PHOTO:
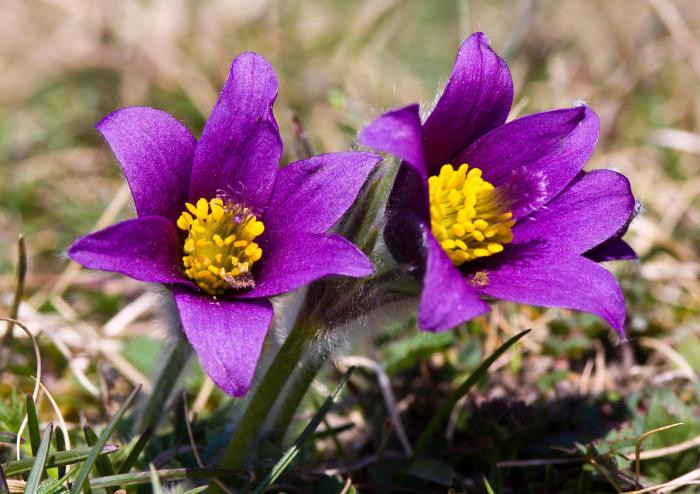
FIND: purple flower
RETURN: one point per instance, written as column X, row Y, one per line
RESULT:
column 220, row 223
column 501, row 210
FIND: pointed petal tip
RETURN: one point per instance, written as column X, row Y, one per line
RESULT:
column 255, row 61
column 480, row 37
column 399, row 132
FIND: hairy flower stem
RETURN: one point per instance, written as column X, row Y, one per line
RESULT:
column 175, row 359
column 297, row 387
column 266, row 394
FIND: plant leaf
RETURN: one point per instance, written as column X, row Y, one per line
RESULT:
column 102, row 463
column 33, row 425
column 16, row 467
column 292, row 452
column 167, row 475
column 60, row 446
column 37, row 471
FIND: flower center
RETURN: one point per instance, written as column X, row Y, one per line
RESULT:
column 219, row 248
column 468, row 216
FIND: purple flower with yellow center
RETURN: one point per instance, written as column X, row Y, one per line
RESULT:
column 220, row 223
column 501, row 210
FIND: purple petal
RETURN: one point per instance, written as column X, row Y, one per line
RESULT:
column 398, row 132
column 227, row 335
column 240, row 148
column 155, row 151
column 311, row 195
column 477, row 99
column 534, row 157
column 447, row 299
column 614, row 249
column 301, row 258
column 592, row 210
column 532, row 275
column 146, row 249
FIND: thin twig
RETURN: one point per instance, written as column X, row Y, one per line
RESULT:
column 638, row 447
column 667, row 451
column 387, row 394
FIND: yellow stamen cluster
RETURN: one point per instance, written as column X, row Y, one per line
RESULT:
column 219, row 248
column 467, row 216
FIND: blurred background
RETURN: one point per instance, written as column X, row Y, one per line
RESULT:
column 67, row 63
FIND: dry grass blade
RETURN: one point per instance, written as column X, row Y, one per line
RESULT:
column 681, row 34
column 671, row 354
column 638, row 447
column 689, row 478
column 387, row 394
column 35, row 392
column 19, row 293
column 667, row 451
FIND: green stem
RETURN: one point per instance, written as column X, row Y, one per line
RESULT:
column 152, row 410
column 296, row 390
column 266, row 394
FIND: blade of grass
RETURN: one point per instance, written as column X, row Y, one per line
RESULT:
column 156, row 486
column 33, row 425
column 489, row 489
column 135, row 478
column 101, row 441
column 446, row 408
column 136, row 451
column 292, row 452
column 197, row 490
column 37, row 471
column 70, row 457
column 60, row 446
column 102, row 463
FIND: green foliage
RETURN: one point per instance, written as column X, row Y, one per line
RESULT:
column 100, row 443
column 404, row 353
column 38, row 469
